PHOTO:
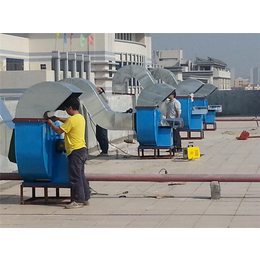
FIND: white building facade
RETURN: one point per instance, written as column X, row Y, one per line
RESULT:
column 30, row 56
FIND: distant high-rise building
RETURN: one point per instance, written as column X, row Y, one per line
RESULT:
column 233, row 77
column 255, row 75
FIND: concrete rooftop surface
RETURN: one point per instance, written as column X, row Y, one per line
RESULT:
column 152, row 204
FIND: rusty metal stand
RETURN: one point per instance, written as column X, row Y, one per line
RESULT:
column 156, row 152
column 46, row 199
column 206, row 128
column 189, row 136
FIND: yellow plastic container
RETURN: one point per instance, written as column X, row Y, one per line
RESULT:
column 193, row 152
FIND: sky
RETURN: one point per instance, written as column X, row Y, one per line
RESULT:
column 238, row 50
column 224, row 31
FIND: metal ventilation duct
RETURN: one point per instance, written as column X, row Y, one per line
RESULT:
column 154, row 95
column 99, row 110
column 166, row 75
column 44, row 96
column 131, row 71
column 206, row 90
column 188, row 87
column 5, row 116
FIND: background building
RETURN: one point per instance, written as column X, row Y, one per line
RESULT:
column 31, row 56
column 209, row 70
column 255, row 76
column 241, row 83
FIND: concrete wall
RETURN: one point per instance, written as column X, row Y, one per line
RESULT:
column 237, row 102
column 5, row 138
column 24, row 79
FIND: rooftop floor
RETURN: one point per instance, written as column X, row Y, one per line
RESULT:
column 156, row 205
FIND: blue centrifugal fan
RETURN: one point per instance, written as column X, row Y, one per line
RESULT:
column 192, row 95
column 39, row 151
column 152, row 130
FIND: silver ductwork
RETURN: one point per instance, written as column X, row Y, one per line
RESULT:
column 99, row 110
column 206, row 90
column 154, row 95
column 166, row 75
column 188, row 87
column 34, row 102
column 131, row 71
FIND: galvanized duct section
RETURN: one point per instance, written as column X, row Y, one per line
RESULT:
column 205, row 90
column 44, row 96
column 166, row 75
column 188, row 86
column 131, row 71
column 154, row 95
column 99, row 110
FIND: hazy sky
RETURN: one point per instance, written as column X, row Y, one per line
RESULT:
column 238, row 50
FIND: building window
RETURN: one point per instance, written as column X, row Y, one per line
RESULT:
column 43, row 66
column 123, row 36
column 14, row 64
column 110, row 67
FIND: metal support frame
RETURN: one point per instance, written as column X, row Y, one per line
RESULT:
column 46, row 198
column 189, row 134
column 156, row 152
column 206, row 126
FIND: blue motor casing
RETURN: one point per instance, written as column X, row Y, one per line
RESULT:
column 193, row 112
column 210, row 117
column 186, row 108
column 149, row 130
column 36, row 154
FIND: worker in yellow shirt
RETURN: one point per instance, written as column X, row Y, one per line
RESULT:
column 75, row 146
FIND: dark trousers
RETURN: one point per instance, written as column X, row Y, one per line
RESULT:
column 80, row 187
column 176, row 138
column 101, row 135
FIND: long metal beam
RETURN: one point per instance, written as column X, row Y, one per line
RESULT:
column 158, row 177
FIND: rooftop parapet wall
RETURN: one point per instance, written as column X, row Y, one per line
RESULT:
column 237, row 102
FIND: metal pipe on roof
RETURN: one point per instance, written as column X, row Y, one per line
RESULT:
column 157, row 177
column 175, row 177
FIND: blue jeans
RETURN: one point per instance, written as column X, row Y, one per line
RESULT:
column 80, row 187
